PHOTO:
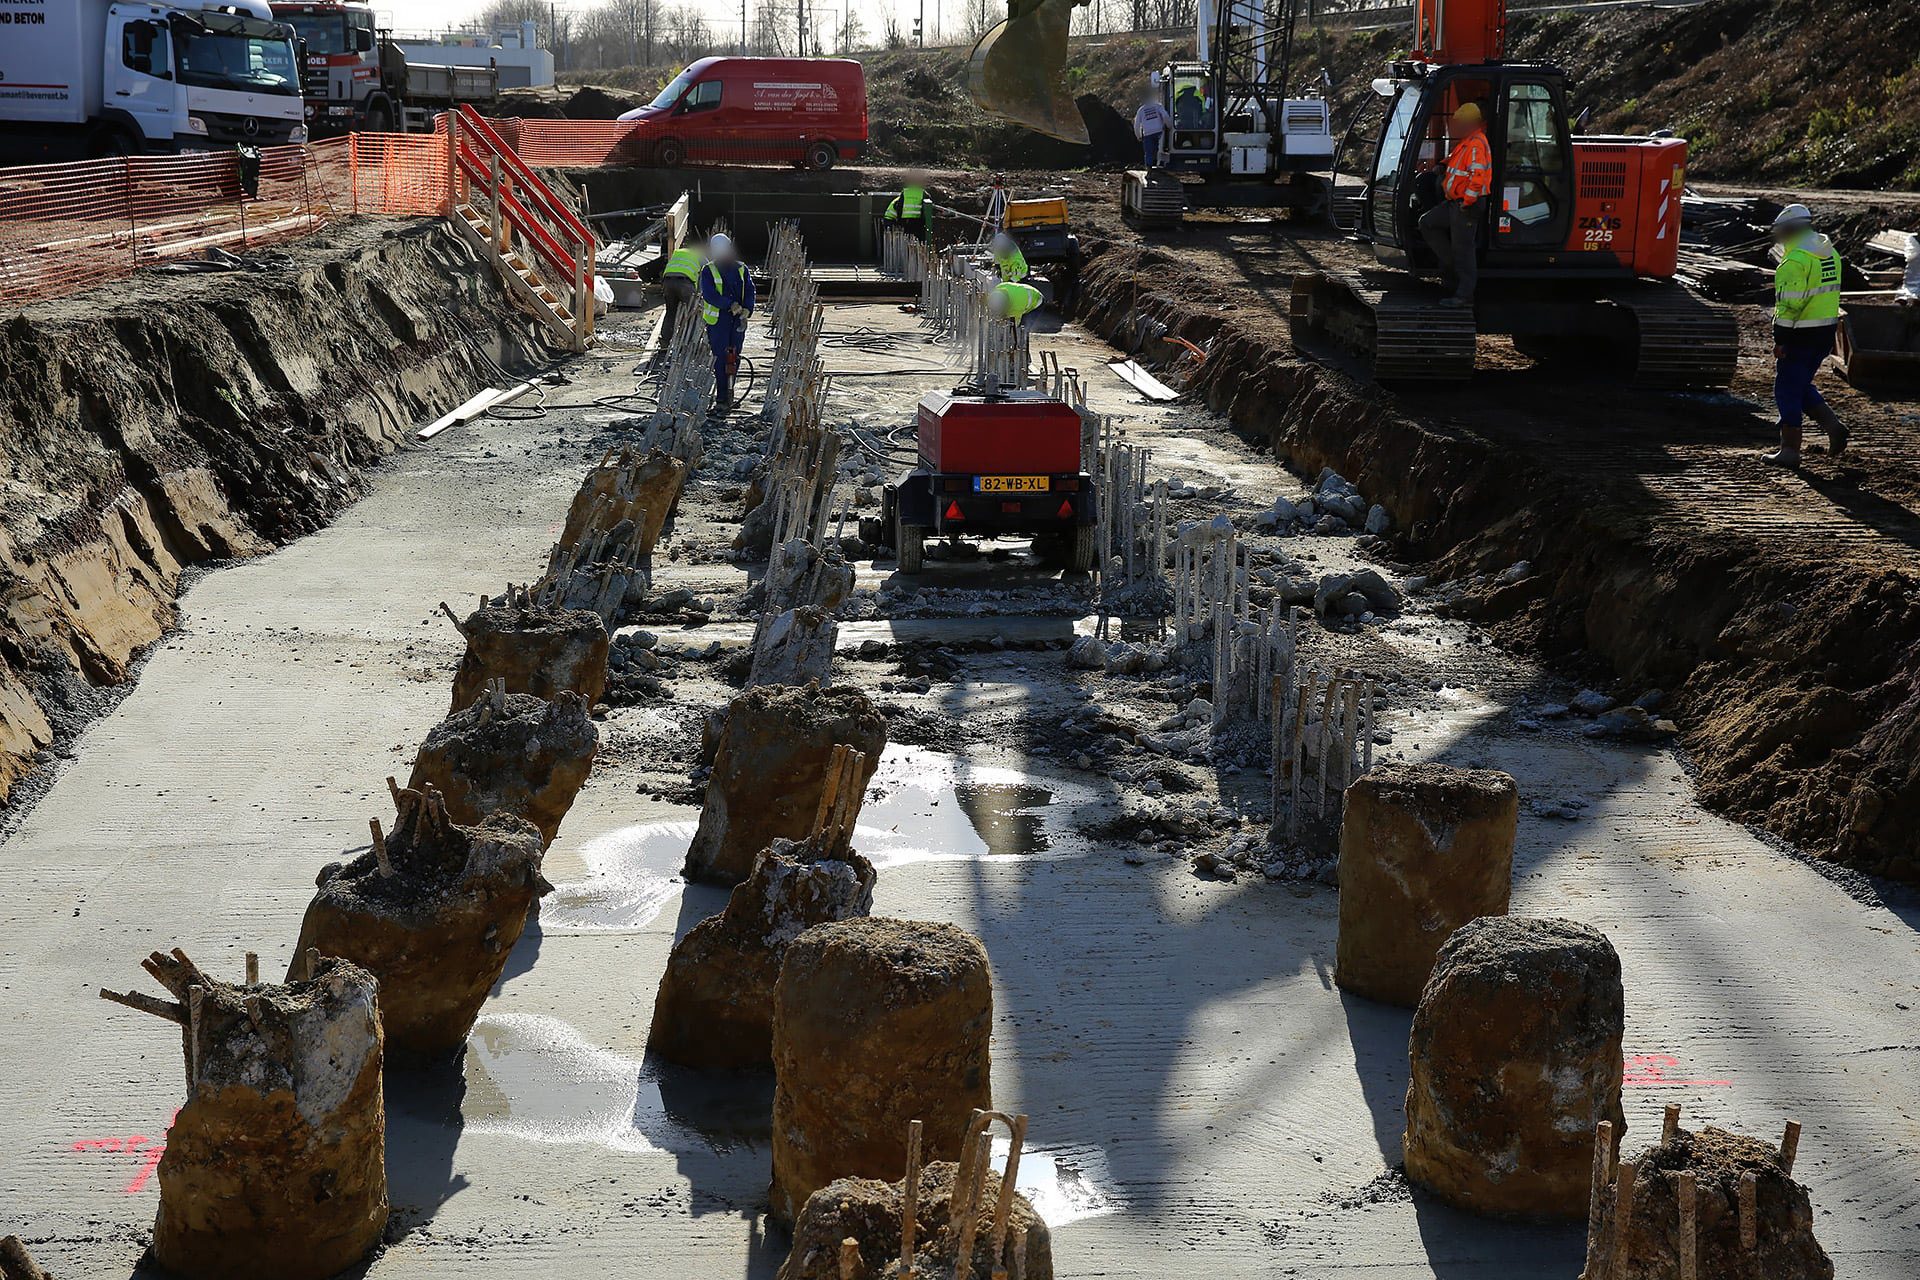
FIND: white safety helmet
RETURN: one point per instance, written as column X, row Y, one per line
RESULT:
column 720, row 247
column 1002, row 244
column 998, row 302
column 1792, row 217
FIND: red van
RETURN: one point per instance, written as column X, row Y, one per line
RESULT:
column 810, row 112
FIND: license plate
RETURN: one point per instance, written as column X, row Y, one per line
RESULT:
column 1010, row 484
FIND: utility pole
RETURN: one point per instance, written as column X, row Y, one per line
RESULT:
column 920, row 27
column 800, row 44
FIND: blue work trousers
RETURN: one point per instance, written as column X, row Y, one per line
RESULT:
column 1800, row 357
column 725, row 336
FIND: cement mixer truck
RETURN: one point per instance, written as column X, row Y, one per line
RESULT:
column 83, row 78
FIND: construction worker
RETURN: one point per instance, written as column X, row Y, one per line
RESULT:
column 1452, row 227
column 911, row 208
column 1007, row 258
column 680, row 281
column 726, row 296
column 1151, row 124
column 1806, row 315
column 1011, row 300
column 1190, row 109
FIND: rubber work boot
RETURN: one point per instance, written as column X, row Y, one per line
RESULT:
column 1835, row 429
column 1788, row 454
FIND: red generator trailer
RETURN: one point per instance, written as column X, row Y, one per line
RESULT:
column 995, row 464
column 809, row 112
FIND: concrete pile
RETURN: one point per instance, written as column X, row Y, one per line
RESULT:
column 685, row 391
column 432, row 911
column 715, row 1004
column 1515, row 1055
column 1424, row 848
column 625, row 500
column 1700, row 1206
column 515, row 754
column 876, row 1024
column 276, row 1163
column 953, row 304
column 772, row 765
column 535, row 649
column 924, row 1224
column 796, row 378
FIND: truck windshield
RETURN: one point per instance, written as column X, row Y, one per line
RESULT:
column 325, row 33
column 671, row 94
column 226, row 52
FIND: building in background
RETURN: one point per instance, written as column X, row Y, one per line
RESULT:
column 516, row 52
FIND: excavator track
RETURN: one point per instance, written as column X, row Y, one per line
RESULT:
column 1684, row 341
column 1410, row 336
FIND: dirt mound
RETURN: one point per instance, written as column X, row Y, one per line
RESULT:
column 175, row 420
column 868, row 1212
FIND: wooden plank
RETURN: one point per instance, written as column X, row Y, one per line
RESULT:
column 1140, row 380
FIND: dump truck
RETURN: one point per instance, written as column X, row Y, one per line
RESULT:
column 81, row 78
column 357, row 79
column 994, row 464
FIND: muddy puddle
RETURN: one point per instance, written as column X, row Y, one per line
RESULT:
column 631, row 873
column 535, row 1078
column 925, row 806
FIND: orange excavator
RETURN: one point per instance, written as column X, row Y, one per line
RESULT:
column 1580, row 242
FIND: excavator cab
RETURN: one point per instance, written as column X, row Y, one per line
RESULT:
column 1015, row 72
column 1531, row 212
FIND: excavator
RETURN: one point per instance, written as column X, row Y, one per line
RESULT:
column 1015, row 72
column 1580, row 245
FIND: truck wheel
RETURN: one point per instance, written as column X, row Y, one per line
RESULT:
column 910, row 545
column 821, row 155
column 379, row 118
column 1082, row 561
column 109, row 142
column 671, row 153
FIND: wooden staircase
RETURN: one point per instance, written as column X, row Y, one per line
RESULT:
column 541, row 249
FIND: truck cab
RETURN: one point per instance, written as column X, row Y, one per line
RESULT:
column 91, row 77
column 1239, row 140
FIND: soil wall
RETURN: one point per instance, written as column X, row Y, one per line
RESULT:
column 175, row 420
column 1793, row 675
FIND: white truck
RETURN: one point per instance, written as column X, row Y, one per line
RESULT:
column 98, row 77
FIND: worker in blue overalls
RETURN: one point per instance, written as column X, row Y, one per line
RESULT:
column 726, row 296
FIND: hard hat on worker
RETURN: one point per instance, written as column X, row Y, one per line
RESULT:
column 1793, row 218
column 720, row 247
column 1468, row 114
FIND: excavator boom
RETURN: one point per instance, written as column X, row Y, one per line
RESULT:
column 1016, row 70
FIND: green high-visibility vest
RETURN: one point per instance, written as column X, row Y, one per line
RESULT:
column 1013, row 267
column 1021, row 298
column 684, row 262
column 907, row 204
column 709, row 312
column 1806, row 284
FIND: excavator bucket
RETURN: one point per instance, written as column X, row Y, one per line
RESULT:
column 1015, row 71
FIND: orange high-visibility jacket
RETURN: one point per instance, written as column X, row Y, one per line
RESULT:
column 1470, row 169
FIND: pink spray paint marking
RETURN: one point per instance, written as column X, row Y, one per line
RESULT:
column 149, row 1152
column 1649, row 1071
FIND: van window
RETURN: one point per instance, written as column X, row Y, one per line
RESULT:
column 705, row 96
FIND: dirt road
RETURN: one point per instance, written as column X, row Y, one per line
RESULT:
column 1205, row 1101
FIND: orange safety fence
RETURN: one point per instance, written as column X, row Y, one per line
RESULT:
column 68, row 227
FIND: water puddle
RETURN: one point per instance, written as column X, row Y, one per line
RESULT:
column 924, row 806
column 632, row 872
column 1061, row 1183
column 534, row 1078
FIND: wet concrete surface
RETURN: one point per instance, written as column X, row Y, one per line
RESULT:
column 1205, row 1102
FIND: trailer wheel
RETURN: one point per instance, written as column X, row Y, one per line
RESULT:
column 821, row 155
column 670, row 153
column 1082, row 561
column 910, row 546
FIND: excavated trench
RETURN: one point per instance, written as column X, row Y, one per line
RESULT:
column 176, row 420
column 1792, row 662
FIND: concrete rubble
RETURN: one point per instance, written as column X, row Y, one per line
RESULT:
column 275, row 1164
column 535, row 649
column 1424, row 848
column 432, row 911
column 1516, row 1059
column 876, row 1024
column 515, row 754
column 771, row 762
